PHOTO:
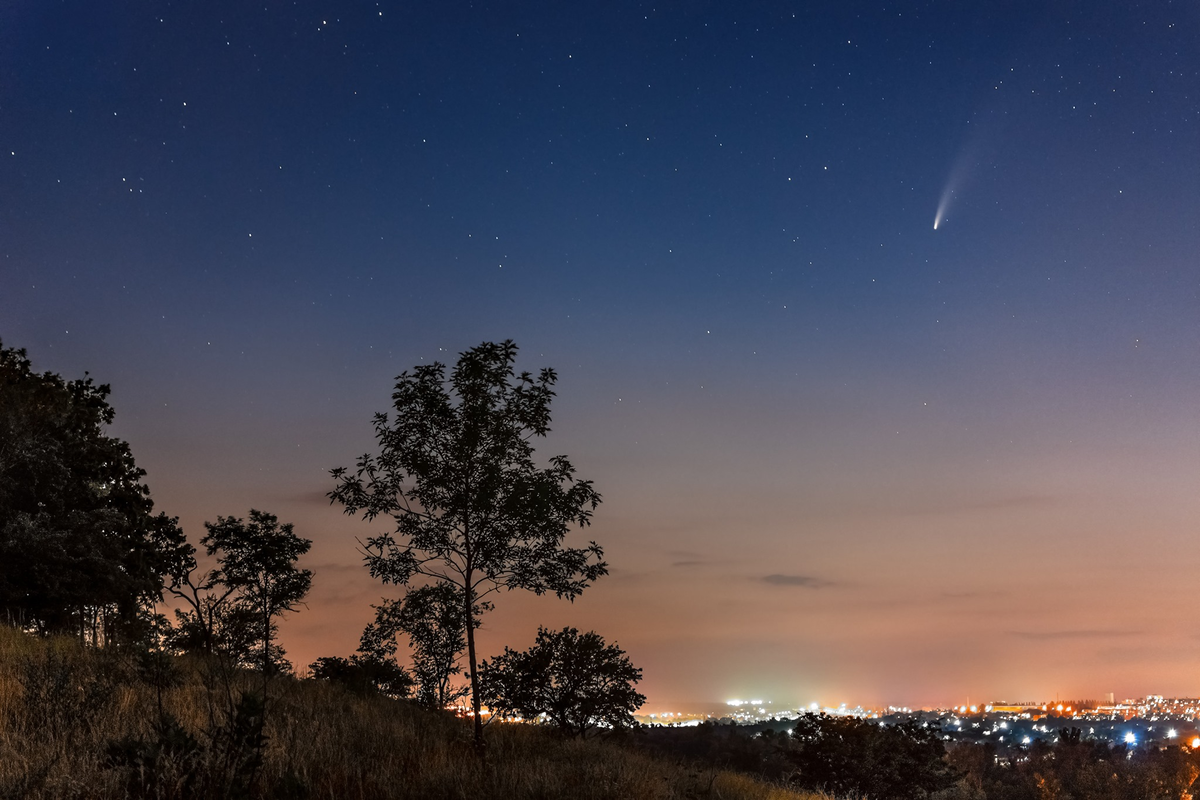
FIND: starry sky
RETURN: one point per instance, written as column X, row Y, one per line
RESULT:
column 845, row 457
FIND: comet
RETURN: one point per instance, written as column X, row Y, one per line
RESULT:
column 943, row 205
column 963, row 162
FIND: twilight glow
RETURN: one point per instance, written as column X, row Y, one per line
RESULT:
column 841, row 460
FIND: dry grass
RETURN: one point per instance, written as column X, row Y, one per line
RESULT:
column 61, row 705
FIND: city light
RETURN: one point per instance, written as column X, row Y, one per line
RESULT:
column 736, row 703
column 1148, row 722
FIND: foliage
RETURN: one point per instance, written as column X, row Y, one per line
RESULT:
column 764, row 753
column 859, row 758
column 81, row 550
column 844, row 756
column 232, row 608
column 848, row 755
column 1076, row 767
column 166, row 764
column 575, row 680
column 216, row 625
column 63, row 690
column 455, row 470
column 361, row 673
column 222, row 763
column 434, row 620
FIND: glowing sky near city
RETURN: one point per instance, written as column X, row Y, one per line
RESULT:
column 843, row 457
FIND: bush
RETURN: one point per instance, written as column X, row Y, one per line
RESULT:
column 361, row 674
column 574, row 680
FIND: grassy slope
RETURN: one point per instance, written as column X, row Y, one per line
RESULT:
column 323, row 742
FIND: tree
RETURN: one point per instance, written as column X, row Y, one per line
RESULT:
column 233, row 607
column 81, row 550
column 455, row 471
column 433, row 618
column 576, row 680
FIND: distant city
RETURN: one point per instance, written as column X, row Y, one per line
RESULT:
column 1153, row 720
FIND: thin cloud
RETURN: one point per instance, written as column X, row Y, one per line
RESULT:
column 1073, row 634
column 802, row 581
column 690, row 555
column 973, row 595
column 628, row 576
column 316, row 497
column 996, row 503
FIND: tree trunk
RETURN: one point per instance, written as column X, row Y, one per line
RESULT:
column 266, row 644
column 468, row 595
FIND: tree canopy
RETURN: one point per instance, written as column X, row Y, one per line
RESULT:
column 577, row 681
column 455, row 471
column 81, row 549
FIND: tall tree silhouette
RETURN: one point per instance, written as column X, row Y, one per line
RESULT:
column 81, row 549
column 455, row 470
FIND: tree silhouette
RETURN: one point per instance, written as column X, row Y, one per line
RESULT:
column 575, row 680
column 455, row 471
column 232, row 608
column 81, row 550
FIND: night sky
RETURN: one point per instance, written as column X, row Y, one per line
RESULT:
column 844, row 457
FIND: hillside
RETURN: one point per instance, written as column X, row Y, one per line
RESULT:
column 87, row 724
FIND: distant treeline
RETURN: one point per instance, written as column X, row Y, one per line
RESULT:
column 852, row 757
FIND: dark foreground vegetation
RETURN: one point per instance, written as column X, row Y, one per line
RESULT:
column 860, row 758
column 77, row 722
column 82, row 722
